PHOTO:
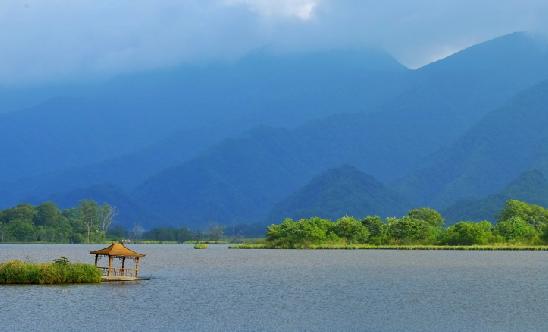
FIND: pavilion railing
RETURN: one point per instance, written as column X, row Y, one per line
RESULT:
column 118, row 272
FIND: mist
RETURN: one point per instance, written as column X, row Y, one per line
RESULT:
column 58, row 40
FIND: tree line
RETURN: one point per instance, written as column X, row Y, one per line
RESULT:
column 91, row 222
column 86, row 223
column 517, row 223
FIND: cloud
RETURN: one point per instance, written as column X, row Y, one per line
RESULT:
column 300, row 9
column 54, row 40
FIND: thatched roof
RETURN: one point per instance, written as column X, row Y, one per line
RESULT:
column 118, row 250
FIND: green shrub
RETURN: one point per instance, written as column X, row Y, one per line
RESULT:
column 376, row 228
column 301, row 234
column 469, row 233
column 408, row 230
column 201, row 246
column 351, row 230
column 516, row 229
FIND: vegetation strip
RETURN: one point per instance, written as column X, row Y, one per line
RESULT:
column 400, row 247
column 520, row 226
column 61, row 271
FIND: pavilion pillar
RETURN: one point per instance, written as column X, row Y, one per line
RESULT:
column 136, row 267
column 96, row 260
column 123, row 266
column 109, row 265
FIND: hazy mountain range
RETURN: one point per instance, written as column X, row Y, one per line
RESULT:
column 265, row 137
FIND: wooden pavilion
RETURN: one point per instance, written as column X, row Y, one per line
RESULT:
column 121, row 252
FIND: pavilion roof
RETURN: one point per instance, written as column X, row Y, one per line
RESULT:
column 117, row 249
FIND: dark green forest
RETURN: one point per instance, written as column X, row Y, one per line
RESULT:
column 91, row 222
column 86, row 223
column 518, row 223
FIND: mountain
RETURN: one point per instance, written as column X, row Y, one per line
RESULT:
column 339, row 192
column 241, row 179
column 129, row 213
column 106, row 120
column 448, row 97
column 531, row 187
column 165, row 132
column 504, row 144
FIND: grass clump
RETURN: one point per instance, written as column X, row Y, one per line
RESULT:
column 201, row 246
column 61, row 271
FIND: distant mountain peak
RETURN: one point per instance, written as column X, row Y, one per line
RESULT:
column 530, row 186
column 360, row 58
column 337, row 192
column 492, row 51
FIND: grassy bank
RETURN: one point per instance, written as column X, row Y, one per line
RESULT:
column 59, row 272
column 502, row 247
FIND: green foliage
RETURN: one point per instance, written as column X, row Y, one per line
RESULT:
column 534, row 215
column 47, row 223
column 351, row 230
column 302, row 233
column 410, row 230
column 515, row 229
column 59, row 272
column 201, row 245
column 520, row 223
column 169, row 234
column 377, row 229
column 469, row 233
column 428, row 215
column 47, row 214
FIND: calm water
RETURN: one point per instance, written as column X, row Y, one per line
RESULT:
column 275, row 290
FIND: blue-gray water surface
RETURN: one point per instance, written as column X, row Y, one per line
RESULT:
column 289, row 290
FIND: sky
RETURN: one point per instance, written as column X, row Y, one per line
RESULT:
column 54, row 40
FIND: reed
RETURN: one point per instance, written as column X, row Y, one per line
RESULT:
column 201, row 246
column 59, row 272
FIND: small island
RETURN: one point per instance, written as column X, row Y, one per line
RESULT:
column 60, row 271
column 520, row 226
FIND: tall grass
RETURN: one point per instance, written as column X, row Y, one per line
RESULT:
column 59, row 272
column 201, row 246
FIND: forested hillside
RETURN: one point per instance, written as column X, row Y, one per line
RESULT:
column 338, row 192
column 226, row 142
column 106, row 120
column 259, row 170
column 505, row 143
column 529, row 187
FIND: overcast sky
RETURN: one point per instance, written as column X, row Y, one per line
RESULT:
column 55, row 40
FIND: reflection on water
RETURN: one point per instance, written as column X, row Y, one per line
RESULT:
column 285, row 290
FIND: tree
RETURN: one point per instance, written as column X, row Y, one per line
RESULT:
column 428, row 215
column 184, row 234
column 136, row 232
column 105, row 216
column 47, row 214
column 302, row 233
column 20, row 230
column 215, row 232
column 534, row 215
column 469, row 233
column 376, row 228
column 516, row 229
column 351, row 230
column 23, row 212
column 410, row 230
column 89, row 216
column 117, row 232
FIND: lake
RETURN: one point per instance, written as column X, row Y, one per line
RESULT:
column 287, row 290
